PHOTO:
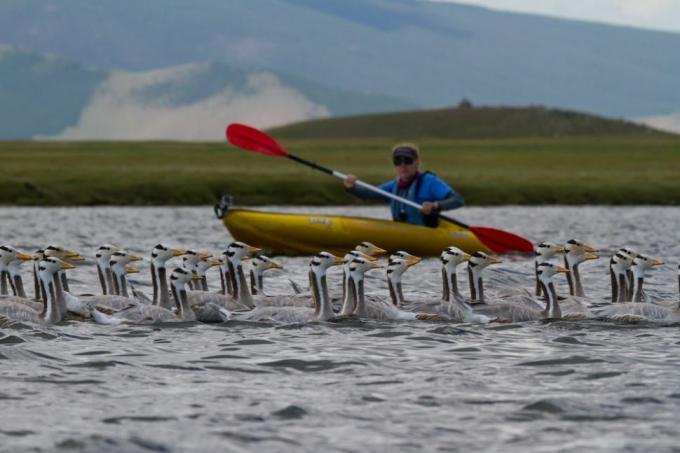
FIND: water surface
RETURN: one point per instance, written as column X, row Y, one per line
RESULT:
column 559, row 386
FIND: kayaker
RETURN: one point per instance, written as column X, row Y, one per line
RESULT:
column 425, row 188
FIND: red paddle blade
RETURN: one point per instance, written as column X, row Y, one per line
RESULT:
column 499, row 241
column 251, row 139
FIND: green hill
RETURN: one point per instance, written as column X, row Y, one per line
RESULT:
column 465, row 122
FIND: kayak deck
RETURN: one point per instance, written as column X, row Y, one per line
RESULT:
column 307, row 234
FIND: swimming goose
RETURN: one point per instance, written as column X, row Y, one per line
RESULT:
column 189, row 262
column 544, row 252
column 118, row 299
column 576, row 253
column 13, row 269
column 258, row 266
column 641, row 264
column 451, row 257
column 477, row 262
column 160, row 254
column 364, row 250
column 119, row 269
column 451, row 307
column 153, row 314
column 519, row 312
column 322, row 310
column 619, row 270
column 102, row 258
column 50, row 285
column 236, row 253
column 201, row 268
column 642, row 311
column 63, row 254
column 348, row 302
column 10, row 262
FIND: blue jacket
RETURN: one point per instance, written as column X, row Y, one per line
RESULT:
column 426, row 187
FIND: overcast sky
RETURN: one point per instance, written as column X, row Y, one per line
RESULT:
column 656, row 14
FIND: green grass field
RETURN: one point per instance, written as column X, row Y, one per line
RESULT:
column 644, row 170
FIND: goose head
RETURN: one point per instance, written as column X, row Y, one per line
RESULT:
column 359, row 266
column 161, row 253
column 204, row 264
column 191, row 258
column 578, row 252
column 49, row 266
column 237, row 251
column 180, row 277
column 479, row 261
column 322, row 261
column 60, row 252
column 547, row 250
column 641, row 264
column 622, row 260
column 451, row 257
column 119, row 261
column 397, row 266
column 369, row 249
column 103, row 254
column 263, row 263
column 9, row 254
column 546, row 272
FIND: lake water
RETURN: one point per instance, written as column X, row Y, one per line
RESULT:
column 558, row 386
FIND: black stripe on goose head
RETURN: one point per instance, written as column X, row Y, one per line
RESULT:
column 6, row 248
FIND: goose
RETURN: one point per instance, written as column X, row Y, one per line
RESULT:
column 322, row 310
column 118, row 299
column 50, row 284
column 190, row 260
column 518, row 312
column 364, row 250
column 619, row 270
column 642, row 311
column 57, row 251
column 258, row 266
column 13, row 268
column 10, row 262
column 102, row 258
column 377, row 309
column 641, row 264
column 543, row 253
column 451, row 306
column 201, row 268
column 160, row 254
column 236, row 253
column 153, row 314
column 576, row 253
column 477, row 262
column 348, row 302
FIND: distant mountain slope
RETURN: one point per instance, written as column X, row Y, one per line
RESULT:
column 41, row 94
column 49, row 96
column 427, row 53
column 464, row 122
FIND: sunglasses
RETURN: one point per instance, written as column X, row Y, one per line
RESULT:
column 402, row 160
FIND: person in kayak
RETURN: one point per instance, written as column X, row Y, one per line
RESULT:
column 425, row 188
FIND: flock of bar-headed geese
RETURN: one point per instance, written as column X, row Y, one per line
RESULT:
column 182, row 293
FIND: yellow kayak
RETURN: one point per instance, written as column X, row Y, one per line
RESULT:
column 306, row 234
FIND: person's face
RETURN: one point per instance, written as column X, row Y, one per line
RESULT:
column 405, row 167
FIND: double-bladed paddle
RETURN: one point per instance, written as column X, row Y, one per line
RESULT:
column 252, row 139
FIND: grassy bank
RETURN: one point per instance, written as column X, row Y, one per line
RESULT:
column 642, row 170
